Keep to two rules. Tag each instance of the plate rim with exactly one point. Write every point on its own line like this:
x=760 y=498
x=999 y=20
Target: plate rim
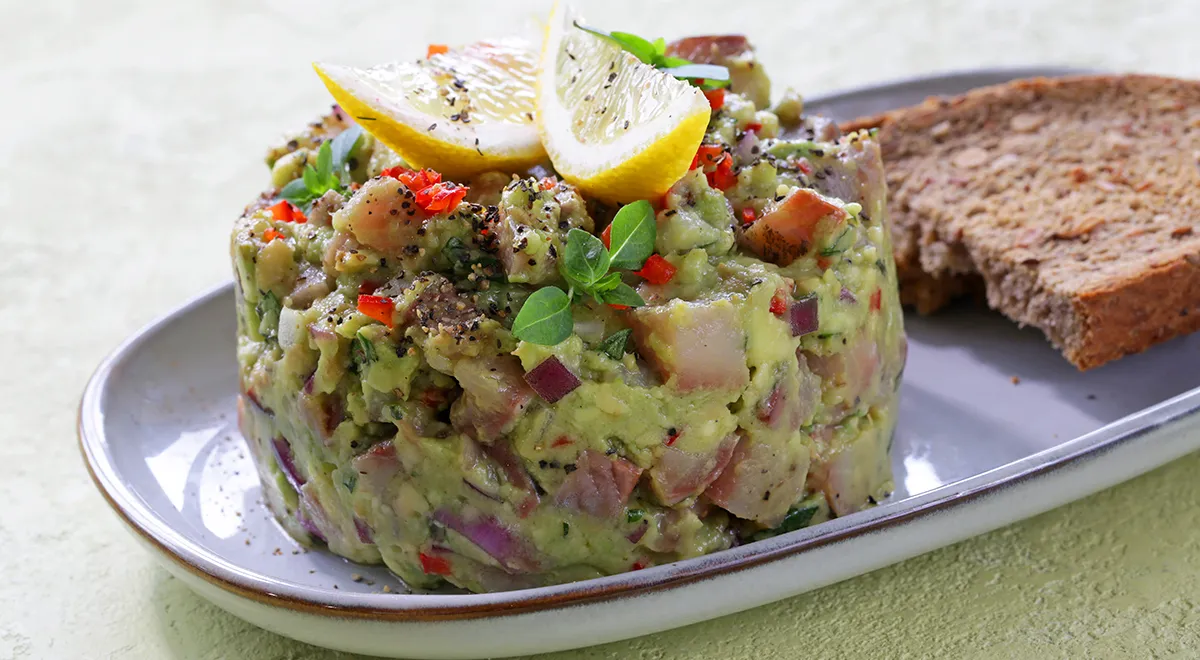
x=142 y=519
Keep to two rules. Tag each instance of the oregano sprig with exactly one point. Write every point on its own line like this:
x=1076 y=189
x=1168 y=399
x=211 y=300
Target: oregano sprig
x=331 y=173
x=587 y=266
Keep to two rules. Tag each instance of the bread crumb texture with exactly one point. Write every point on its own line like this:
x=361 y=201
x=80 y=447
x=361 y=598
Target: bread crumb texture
x=1073 y=202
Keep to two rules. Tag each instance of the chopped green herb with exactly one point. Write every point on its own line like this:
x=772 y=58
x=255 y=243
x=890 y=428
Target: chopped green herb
x=840 y=244
x=395 y=411
x=634 y=515
x=268 y=309
x=566 y=528
x=798 y=517
x=362 y=351
x=614 y=345
x=350 y=481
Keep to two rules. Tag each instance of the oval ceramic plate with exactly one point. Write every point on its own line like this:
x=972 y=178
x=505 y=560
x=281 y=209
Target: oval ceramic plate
x=974 y=451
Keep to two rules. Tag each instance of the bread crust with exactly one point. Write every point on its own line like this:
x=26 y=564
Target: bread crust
x=1075 y=200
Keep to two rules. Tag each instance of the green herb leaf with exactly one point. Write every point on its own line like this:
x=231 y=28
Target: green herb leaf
x=669 y=62
x=296 y=192
x=639 y=47
x=545 y=318
x=705 y=71
x=350 y=481
x=566 y=528
x=633 y=235
x=585 y=259
x=614 y=347
x=312 y=181
x=325 y=160
x=622 y=294
x=655 y=54
x=345 y=146
x=607 y=283
x=634 y=515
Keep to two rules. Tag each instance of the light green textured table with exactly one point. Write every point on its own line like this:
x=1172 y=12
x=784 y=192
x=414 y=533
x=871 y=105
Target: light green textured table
x=132 y=135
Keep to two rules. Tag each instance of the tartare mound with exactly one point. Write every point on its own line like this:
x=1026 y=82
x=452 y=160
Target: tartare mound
x=394 y=415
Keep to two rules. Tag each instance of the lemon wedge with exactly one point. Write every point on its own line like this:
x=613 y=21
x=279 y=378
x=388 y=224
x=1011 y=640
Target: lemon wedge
x=619 y=129
x=461 y=112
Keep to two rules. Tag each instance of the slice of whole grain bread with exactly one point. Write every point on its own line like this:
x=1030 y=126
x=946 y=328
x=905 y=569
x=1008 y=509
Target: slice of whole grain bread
x=1075 y=202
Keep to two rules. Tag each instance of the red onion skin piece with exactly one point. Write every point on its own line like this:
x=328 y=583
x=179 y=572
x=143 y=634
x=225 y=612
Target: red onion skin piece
x=364 y=530
x=552 y=380
x=309 y=525
x=287 y=462
x=803 y=316
x=493 y=538
x=846 y=295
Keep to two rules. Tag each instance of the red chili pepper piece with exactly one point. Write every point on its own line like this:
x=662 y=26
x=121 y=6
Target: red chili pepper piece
x=619 y=308
x=671 y=439
x=709 y=154
x=716 y=98
x=748 y=216
x=448 y=197
x=638 y=565
x=270 y=235
x=562 y=441
x=804 y=166
x=876 y=300
x=282 y=211
x=753 y=127
x=548 y=182
x=434 y=565
x=778 y=306
x=723 y=178
x=606 y=236
x=393 y=172
x=379 y=308
x=436 y=49
x=656 y=270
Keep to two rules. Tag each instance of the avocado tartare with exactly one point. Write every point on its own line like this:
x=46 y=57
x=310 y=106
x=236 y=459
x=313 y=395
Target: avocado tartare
x=737 y=382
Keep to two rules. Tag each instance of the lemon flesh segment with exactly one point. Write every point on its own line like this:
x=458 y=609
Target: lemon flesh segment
x=461 y=113
x=619 y=129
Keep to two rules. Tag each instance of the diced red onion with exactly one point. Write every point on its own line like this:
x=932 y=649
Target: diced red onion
x=803 y=316
x=309 y=525
x=493 y=538
x=552 y=380
x=287 y=461
x=745 y=148
x=321 y=333
x=364 y=530
x=847 y=295
x=637 y=534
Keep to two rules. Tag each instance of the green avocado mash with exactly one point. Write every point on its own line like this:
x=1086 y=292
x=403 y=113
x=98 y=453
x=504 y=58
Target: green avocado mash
x=395 y=416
